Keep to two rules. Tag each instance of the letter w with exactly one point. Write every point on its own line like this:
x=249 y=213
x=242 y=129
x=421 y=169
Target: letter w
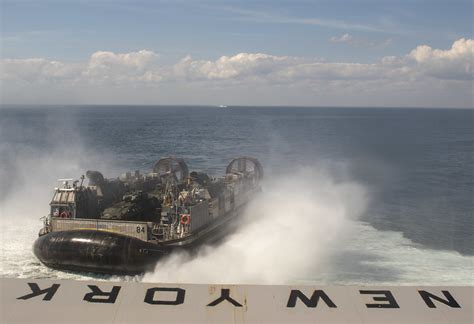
x=309 y=302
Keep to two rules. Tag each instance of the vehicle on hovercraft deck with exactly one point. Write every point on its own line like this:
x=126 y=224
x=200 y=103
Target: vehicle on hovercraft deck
x=126 y=225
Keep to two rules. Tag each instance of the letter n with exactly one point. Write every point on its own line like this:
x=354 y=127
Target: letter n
x=309 y=302
x=99 y=296
x=427 y=297
x=36 y=291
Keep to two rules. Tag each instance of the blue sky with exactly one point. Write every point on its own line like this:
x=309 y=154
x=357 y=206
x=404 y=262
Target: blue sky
x=349 y=31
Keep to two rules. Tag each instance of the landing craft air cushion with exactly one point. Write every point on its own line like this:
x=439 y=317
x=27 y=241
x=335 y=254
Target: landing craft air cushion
x=126 y=225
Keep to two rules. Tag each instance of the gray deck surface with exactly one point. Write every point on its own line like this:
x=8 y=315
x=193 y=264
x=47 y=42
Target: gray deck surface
x=34 y=301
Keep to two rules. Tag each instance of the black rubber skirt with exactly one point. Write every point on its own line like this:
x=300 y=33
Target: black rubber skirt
x=97 y=251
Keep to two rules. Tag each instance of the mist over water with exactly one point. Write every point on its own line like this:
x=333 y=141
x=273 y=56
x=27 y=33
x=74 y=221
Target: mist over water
x=33 y=156
x=338 y=207
x=22 y=206
x=285 y=234
x=305 y=228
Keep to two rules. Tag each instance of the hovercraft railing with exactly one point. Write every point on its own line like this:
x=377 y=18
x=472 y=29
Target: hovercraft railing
x=138 y=230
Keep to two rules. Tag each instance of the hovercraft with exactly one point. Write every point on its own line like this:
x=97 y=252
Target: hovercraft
x=125 y=225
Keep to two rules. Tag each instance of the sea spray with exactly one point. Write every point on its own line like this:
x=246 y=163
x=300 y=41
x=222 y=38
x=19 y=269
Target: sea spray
x=286 y=233
x=32 y=160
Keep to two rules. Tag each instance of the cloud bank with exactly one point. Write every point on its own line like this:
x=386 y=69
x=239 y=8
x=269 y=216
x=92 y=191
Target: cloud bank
x=421 y=76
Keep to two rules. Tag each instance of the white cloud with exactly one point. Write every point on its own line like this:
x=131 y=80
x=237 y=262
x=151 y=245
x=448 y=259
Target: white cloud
x=245 y=67
x=361 y=42
x=454 y=63
x=346 y=38
x=240 y=66
x=422 y=62
x=37 y=70
x=422 y=73
x=120 y=68
x=266 y=17
x=333 y=71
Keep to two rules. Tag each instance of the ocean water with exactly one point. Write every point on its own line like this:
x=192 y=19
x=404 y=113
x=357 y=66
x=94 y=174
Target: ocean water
x=351 y=195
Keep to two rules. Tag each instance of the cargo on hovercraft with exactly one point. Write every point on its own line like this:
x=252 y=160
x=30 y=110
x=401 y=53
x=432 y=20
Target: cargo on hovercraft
x=125 y=225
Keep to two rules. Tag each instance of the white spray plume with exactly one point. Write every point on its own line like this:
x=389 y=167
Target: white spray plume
x=285 y=236
x=28 y=174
